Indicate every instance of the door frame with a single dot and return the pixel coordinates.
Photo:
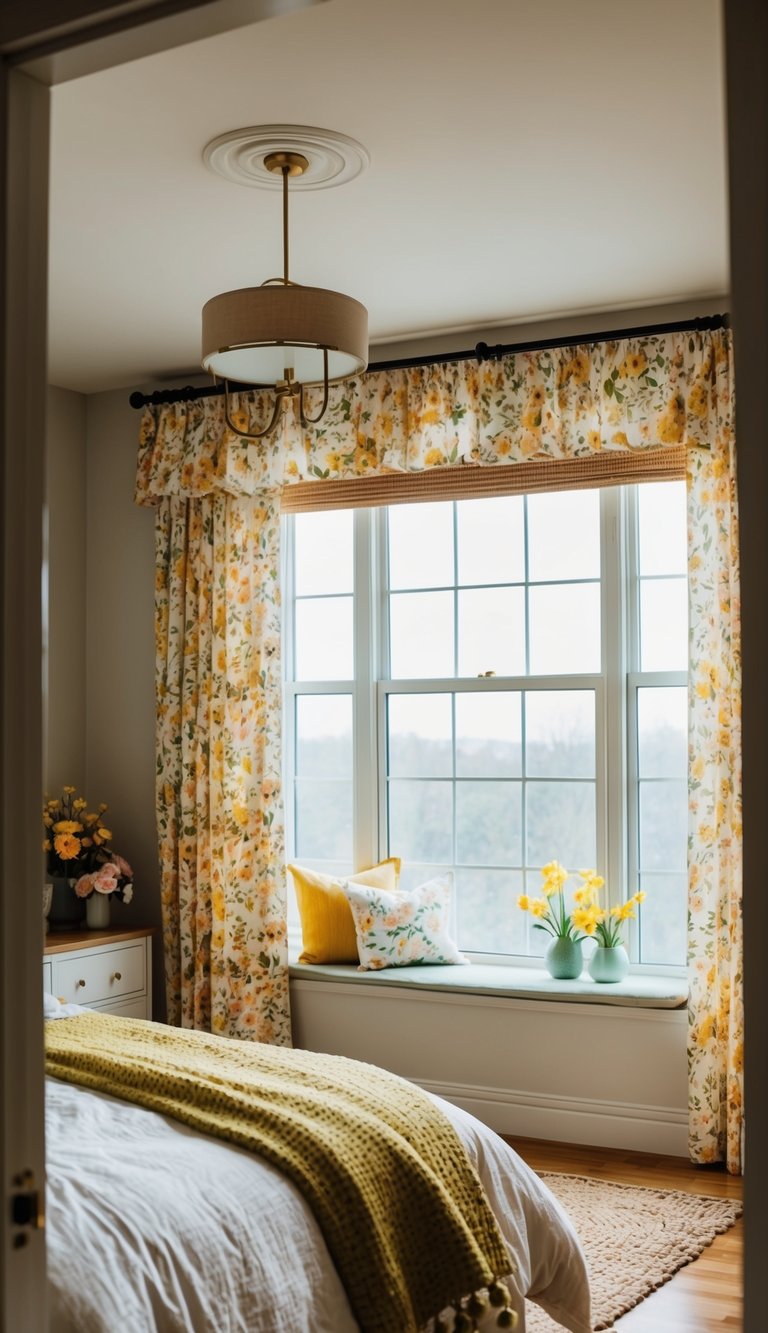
(50, 41)
(42, 42)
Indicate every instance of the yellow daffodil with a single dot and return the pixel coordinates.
(591, 880)
(587, 918)
(554, 874)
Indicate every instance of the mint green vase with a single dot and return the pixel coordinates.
(563, 959)
(609, 964)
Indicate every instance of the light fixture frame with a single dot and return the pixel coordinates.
(338, 322)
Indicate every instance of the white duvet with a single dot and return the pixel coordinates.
(153, 1227)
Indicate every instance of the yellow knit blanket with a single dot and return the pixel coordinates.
(400, 1206)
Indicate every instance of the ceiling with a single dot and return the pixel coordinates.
(526, 160)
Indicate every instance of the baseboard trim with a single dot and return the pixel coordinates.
(659, 1129)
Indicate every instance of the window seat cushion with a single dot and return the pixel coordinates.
(641, 990)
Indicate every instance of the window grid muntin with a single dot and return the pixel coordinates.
(525, 584)
(521, 685)
(627, 498)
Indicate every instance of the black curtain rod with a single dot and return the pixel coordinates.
(481, 352)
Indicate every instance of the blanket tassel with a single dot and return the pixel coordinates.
(467, 1312)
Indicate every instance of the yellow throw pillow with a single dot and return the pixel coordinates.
(327, 929)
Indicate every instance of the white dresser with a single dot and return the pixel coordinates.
(107, 969)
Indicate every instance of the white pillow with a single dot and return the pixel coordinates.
(53, 1008)
(395, 929)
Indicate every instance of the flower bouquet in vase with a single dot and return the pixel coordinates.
(610, 961)
(563, 959)
(81, 865)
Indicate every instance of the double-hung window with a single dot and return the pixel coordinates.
(484, 685)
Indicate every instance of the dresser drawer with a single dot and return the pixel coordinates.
(136, 1008)
(101, 976)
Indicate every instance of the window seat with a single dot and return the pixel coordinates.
(640, 991)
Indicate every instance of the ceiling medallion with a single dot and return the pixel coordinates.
(333, 159)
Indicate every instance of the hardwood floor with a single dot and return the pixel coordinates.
(703, 1297)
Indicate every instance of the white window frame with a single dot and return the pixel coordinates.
(615, 691)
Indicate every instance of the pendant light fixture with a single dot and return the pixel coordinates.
(281, 335)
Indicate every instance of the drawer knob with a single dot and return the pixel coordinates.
(117, 976)
(80, 983)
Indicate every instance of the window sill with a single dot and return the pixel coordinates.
(638, 990)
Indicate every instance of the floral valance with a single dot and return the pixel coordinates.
(557, 403)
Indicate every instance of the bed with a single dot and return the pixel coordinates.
(154, 1226)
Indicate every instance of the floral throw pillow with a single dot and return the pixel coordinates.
(395, 929)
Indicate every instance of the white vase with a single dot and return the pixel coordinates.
(97, 911)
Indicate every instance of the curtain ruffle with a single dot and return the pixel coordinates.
(558, 403)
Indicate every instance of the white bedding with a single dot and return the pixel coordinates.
(153, 1227)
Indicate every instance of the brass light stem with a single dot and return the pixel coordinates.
(285, 170)
(288, 164)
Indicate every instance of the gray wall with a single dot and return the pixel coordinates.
(65, 489)
(101, 703)
(120, 700)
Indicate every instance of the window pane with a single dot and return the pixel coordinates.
(560, 823)
(416, 873)
(421, 545)
(488, 735)
(492, 631)
(324, 736)
(564, 535)
(323, 552)
(560, 733)
(421, 633)
(421, 821)
(324, 819)
(565, 629)
(489, 823)
(491, 540)
(664, 625)
(663, 825)
(488, 919)
(662, 527)
(324, 646)
(662, 732)
(420, 735)
(662, 919)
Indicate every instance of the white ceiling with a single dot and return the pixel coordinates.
(527, 159)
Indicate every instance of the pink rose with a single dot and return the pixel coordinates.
(105, 880)
(84, 886)
(122, 866)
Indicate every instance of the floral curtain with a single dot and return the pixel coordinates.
(565, 402)
(638, 394)
(219, 811)
(715, 1007)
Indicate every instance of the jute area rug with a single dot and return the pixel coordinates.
(635, 1240)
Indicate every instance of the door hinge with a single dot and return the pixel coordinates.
(27, 1208)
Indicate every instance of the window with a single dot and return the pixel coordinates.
(486, 684)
